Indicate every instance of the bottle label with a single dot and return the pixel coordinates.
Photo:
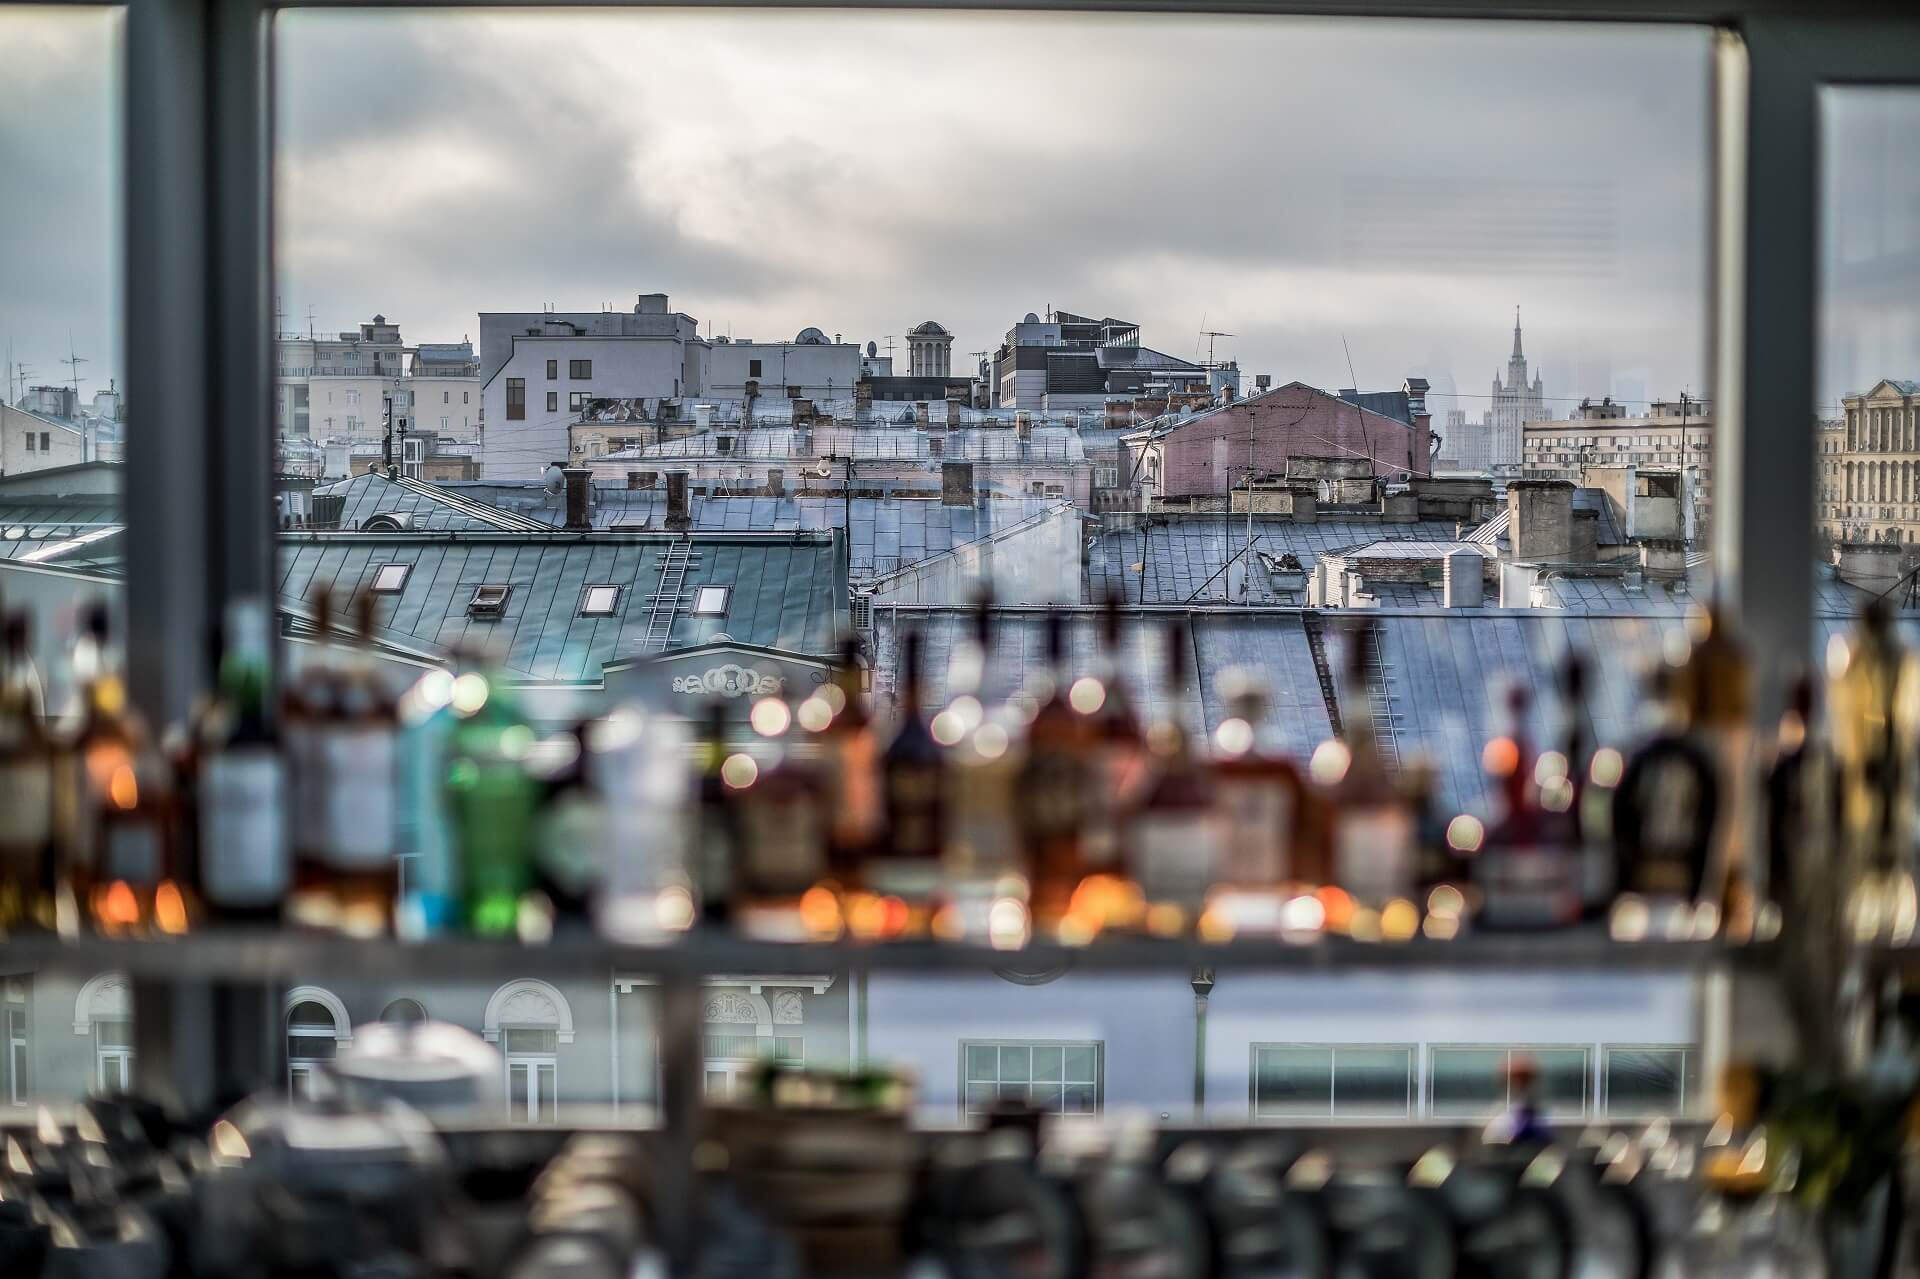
(1177, 855)
(1528, 886)
(915, 813)
(243, 834)
(785, 844)
(26, 804)
(1259, 818)
(1373, 853)
(359, 810)
(131, 850)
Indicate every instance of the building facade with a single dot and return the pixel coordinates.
(1673, 438)
(1516, 401)
(1070, 361)
(812, 366)
(929, 350)
(1875, 474)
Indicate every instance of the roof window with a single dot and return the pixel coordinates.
(488, 601)
(599, 601)
(711, 601)
(391, 579)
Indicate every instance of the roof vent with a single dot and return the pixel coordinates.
(489, 601)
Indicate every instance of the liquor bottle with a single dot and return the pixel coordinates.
(716, 833)
(1588, 800)
(1873, 685)
(914, 788)
(428, 862)
(1178, 834)
(136, 885)
(358, 755)
(492, 800)
(244, 862)
(783, 833)
(1797, 796)
(1119, 749)
(850, 763)
(982, 843)
(1443, 873)
(306, 705)
(1716, 683)
(571, 847)
(1053, 787)
(26, 787)
(1665, 813)
(642, 764)
(1528, 872)
(1258, 791)
(1372, 849)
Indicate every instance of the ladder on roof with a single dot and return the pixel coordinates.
(1317, 645)
(674, 562)
(1380, 699)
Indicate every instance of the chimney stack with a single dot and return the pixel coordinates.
(678, 519)
(579, 493)
(1540, 519)
(1463, 579)
(1873, 566)
(956, 484)
(776, 482)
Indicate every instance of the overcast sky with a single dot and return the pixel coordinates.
(1401, 186)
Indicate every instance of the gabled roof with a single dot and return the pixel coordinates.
(788, 591)
(1898, 386)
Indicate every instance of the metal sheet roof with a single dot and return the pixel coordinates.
(787, 592)
(1181, 552)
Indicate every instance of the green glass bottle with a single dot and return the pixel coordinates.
(492, 800)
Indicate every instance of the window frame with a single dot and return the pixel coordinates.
(1689, 1079)
(697, 609)
(516, 399)
(586, 600)
(120, 1056)
(553, 401)
(533, 1062)
(553, 370)
(1587, 1097)
(580, 370)
(485, 604)
(1333, 1112)
(1099, 1081)
(379, 584)
(19, 1062)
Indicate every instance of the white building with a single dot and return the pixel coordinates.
(539, 369)
(334, 388)
(1515, 403)
(812, 367)
(443, 391)
(929, 350)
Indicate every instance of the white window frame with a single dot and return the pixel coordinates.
(588, 594)
(527, 1105)
(730, 1069)
(1556, 1108)
(1098, 1082)
(17, 1055)
(1333, 1109)
(1689, 1078)
(702, 607)
(116, 1059)
(391, 579)
(301, 1070)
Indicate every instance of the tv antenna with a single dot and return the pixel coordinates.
(1210, 335)
(73, 363)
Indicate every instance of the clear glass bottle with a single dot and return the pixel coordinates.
(914, 785)
(1178, 833)
(1055, 781)
(492, 800)
(982, 863)
(27, 766)
(1372, 835)
(571, 844)
(358, 753)
(245, 868)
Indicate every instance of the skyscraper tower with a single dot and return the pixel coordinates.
(1515, 401)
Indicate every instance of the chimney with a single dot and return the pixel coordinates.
(776, 482)
(678, 520)
(1540, 519)
(633, 480)
(922, 414)
(956, 484)
(579, 494)
(1023, 424)
(1463, 579)
(1262, 383)
(1304, 499)
(1873, 566)
(1665, 560)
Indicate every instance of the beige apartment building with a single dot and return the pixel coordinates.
(1672, 436)
(1867, 486)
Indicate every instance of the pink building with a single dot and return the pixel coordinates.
(1208, 453)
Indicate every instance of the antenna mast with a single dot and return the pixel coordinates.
(73, 363)
(1210, 335)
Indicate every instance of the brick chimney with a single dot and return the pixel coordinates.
(678, 518)
(956, 484)
(579, 497)
(1540, 519)
(776, 482)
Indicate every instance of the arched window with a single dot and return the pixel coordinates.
(103, 1012)
(317, 1024)
(404, 1012)
(530, 1020)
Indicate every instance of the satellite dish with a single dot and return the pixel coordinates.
(873, 349)
(555, 479)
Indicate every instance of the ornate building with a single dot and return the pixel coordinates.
(1869, 483)
(1515, 403)
(929, 350)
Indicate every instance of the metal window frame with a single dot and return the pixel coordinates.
(1589, 1096)
(1099, 1047)
(1689, 1078)
(586, 600)
(1333, 1050)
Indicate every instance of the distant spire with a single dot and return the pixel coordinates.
(1516, 334)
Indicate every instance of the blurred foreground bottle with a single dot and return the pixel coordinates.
(913, 769)
(1054, 786)
(1665, 815)
(716, 831)
(306, 705)
(1528, 870)
(1177, 834)
(982, 867)
(1799, 798)
(245, 863)
(1259, 791)
(428, 863)
(125, 847)
(1118, 751)
(1716, 686)
(1372, 827)
(783, 834)
(570, 847)
(26, 787)
(1873, 686)
(641, 764)
(491, 801)
(849, 765)
(1590, 775)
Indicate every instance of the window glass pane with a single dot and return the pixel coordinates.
(1372, 1081)
(310, 1014)
(113, 1033)
(983, 1061)
(1047, 1063)
(311, 1047)
(1294, 1081)
(1081, 1064)
(1565, 1076)
(1646, 1081)
(1016, 1063)
(529, 1041)
(1468, 1081)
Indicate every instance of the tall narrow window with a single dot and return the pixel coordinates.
(532, 1074)
(553, 401)
(18, 1089)
(112, 1054)
(312, 1040)
(516, 399)
(553, 370)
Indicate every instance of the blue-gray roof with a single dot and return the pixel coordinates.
(788, 592)
(66, 529)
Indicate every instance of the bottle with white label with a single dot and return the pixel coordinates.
(306, 705)
(1177, 841)
(1373, 852)
(359, 809)
(26, 788)
(245, 864)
